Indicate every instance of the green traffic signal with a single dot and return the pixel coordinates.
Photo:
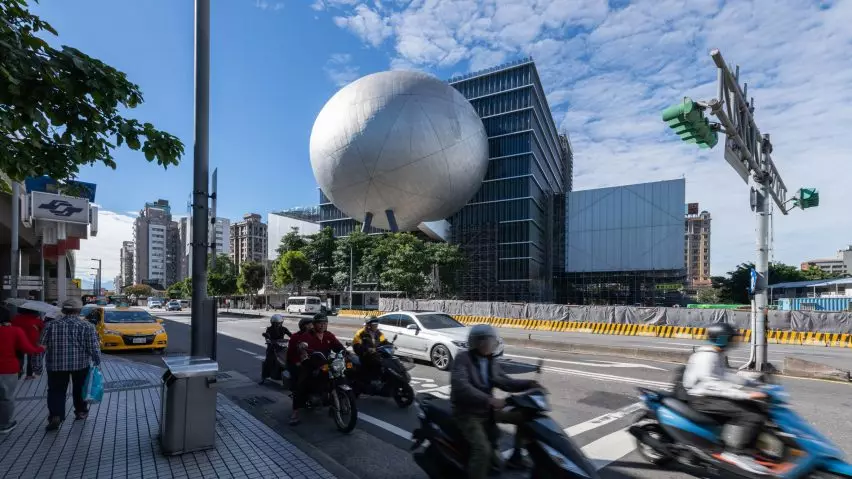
(808, 198)
(689, 122)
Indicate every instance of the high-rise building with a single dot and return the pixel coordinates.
(305, 220)
(248, 240)
(157, 240)
(697, 246)
(125, 274)
(220, 239)
(837, 266)
(513, 230)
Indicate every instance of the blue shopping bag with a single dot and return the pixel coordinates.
(93, 388)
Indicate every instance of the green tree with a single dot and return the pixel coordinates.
(293, 269)
(354, 247)
(406, 263)
(175, 291)
(707, 296)
(319, 250)
(447, 260)
(815, 272)
(250, 279)
(221, 279)
(733, 288)
(139, 290)
(61, 109)
(292, 241)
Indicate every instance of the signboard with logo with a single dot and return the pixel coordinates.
(66, 209)
(46, 184)
(692, 209)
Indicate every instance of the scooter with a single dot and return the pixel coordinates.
(670, 430)
(276, 369)
(441, 451)
(394, 380)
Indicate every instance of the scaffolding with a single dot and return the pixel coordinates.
(478, 279)
(628, 288)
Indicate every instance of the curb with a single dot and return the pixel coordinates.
(801, 368)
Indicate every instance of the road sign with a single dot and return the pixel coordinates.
(753, 281)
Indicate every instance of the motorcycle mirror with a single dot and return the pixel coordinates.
(394, 338)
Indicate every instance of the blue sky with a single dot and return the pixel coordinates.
(607, 67)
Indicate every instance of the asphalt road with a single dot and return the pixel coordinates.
(591, 396)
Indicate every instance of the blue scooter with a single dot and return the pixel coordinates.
(670, 430)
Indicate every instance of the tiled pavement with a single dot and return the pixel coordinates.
(119, 439)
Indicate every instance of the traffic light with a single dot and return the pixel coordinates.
(808, 198)
(688, 121)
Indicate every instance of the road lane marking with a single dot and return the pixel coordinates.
(603, 420)
(252, 353)
(385, 425)
(609, 448)
(609, 377)
(599, 364)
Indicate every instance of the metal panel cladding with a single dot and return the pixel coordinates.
(400, 141)
(626, 228)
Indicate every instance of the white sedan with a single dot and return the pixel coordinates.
(428, 335)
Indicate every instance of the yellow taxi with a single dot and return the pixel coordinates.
(123, 329)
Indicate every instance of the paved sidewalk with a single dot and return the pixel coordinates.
(120, 437)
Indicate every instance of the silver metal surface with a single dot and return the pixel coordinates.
(190, 366)
(400, 141)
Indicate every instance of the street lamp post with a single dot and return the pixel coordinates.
(97, 284)
(351, 271)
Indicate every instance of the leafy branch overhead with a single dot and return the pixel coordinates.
(60, 108)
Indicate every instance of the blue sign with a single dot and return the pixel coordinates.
(46, 184)
(753, 281)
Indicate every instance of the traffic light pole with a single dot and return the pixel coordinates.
(749, 154)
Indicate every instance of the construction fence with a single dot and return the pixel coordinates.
(543, 314)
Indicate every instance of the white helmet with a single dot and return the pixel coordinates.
(276, 318)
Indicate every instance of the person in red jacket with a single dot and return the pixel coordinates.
(318, 339)
(29, 321)
(12, 341)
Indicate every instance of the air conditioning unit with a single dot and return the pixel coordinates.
(93, 220)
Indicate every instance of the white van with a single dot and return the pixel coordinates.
(304, 304)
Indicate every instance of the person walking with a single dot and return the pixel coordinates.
(72, 347)
(32, 325)
(12, 341)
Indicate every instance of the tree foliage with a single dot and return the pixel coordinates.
(61, 109)
(139, 290)
(221, 278)
(707, 296)
(292, 269)
(250, 279)
(319, 251)
(292, 241)
(733, 288)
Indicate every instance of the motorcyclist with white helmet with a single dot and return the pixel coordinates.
(714, 391)
(474, 376)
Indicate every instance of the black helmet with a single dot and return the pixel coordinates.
(479, 333)
(371, 320)
(320, 318)
(304, 322)
(721, 334)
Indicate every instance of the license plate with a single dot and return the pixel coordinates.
(139, 341)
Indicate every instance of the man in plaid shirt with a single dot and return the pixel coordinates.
(72, 347)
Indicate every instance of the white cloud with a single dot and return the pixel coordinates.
(272, 6)
(608, 72)
(113, 229)
(340, 69)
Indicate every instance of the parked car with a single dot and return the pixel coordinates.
(428, 335)
(304, 304)
(154, 303)
(127, 329)
(173, 305)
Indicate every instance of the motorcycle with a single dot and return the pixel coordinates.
(276, 369)
(552, 452)
(670, 430)
(328, 387)
(394, 380)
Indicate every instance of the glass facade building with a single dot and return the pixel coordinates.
(513, 230)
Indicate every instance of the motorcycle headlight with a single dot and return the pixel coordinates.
(337, 367)
(112, 332)
(461, 344)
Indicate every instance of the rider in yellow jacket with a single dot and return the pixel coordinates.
(365, 343)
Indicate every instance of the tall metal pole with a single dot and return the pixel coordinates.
(16, 221)
(762, 268)
(200, 175)
(351, 271)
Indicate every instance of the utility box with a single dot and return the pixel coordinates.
(188, 425)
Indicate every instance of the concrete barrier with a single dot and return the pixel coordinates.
(798, 367)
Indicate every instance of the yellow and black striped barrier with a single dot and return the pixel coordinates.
(679, 332)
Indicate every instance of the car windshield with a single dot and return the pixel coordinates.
(128, 317)
(438, 321)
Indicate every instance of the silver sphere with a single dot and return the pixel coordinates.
(400, 141)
